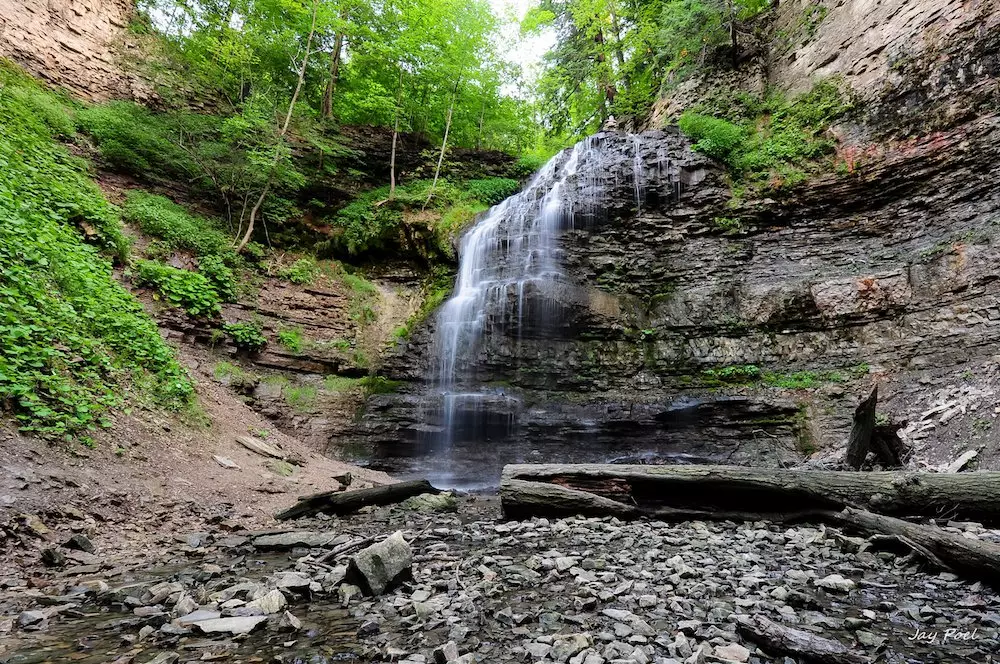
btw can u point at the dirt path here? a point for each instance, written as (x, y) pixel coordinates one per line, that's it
(149, 477)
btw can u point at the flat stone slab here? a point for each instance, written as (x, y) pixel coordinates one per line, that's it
(305, 538)
(200, 615)
(241, 625)
(225, 462)
(260, 447)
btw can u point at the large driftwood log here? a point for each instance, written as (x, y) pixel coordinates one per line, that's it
(346, 502)
(738, 489)
(861, 431)
(557, 500)
(970, 558)
(776, 638)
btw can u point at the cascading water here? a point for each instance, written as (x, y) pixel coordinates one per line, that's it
(507, 346)
(511, 250)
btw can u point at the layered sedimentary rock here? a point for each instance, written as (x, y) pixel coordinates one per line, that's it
(71, 43)
(690, 330)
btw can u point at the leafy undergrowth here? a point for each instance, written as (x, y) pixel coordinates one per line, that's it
(414, 217)
(751, 374)
(183, 288)
(177, 230)
(768, 141)
(73, 342)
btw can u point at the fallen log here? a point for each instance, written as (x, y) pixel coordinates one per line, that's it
(776, 638)
(346, 502)
(556, 500)
(970, 558)
(739, 489)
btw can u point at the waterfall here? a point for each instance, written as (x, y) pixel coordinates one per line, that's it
(513, 247)
(508, 284)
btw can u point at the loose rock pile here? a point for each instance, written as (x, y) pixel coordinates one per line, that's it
(583, 591)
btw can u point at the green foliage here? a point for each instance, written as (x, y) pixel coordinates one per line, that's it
(436, 290)
(491, 191)
(236, 376)
(728, 224)
(613, 58)
(228, 157)
(302, 271)
(73, 342)
(247, 336)
(51, 109)
(132, 139)
(529, 164)
(375, 384)
(717, 138)
(292, 339)
(161, 218)
(211, 52)
(374, 221)
(302, 398)
(182, 288)
(341, 384)
(799, 380)
(749, 374)
(768, 139)
(221, 277)
(746, 373)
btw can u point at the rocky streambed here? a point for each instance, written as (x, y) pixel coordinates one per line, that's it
(579, 590)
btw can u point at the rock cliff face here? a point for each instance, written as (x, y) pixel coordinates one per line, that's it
(71, 43)
(684, 335)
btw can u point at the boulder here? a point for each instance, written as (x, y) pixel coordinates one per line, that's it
(382, 566)
(32, 619)
(272, 602)
(431, 502)
(289, 623)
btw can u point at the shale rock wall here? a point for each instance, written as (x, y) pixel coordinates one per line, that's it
(884, 272)
(71, 43)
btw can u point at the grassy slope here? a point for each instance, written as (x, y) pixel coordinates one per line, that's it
(73, 342)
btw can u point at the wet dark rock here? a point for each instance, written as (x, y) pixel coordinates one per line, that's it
(368, 628)
(80, 543)
(32, 619)
(53, 557)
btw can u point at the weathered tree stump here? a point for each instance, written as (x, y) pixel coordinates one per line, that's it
(861, 431)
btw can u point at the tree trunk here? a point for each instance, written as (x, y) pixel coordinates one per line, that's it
(861, 431)
(732, 32)
(331, 84)
(619, 51)
(775, 638)
(482, 117)
(346, 502)
(607, 86)
(395, 137)
(281, 133)
(975, 559)
(444, 142)
(727, 490)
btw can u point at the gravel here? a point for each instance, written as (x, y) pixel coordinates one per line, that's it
(577, 590)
